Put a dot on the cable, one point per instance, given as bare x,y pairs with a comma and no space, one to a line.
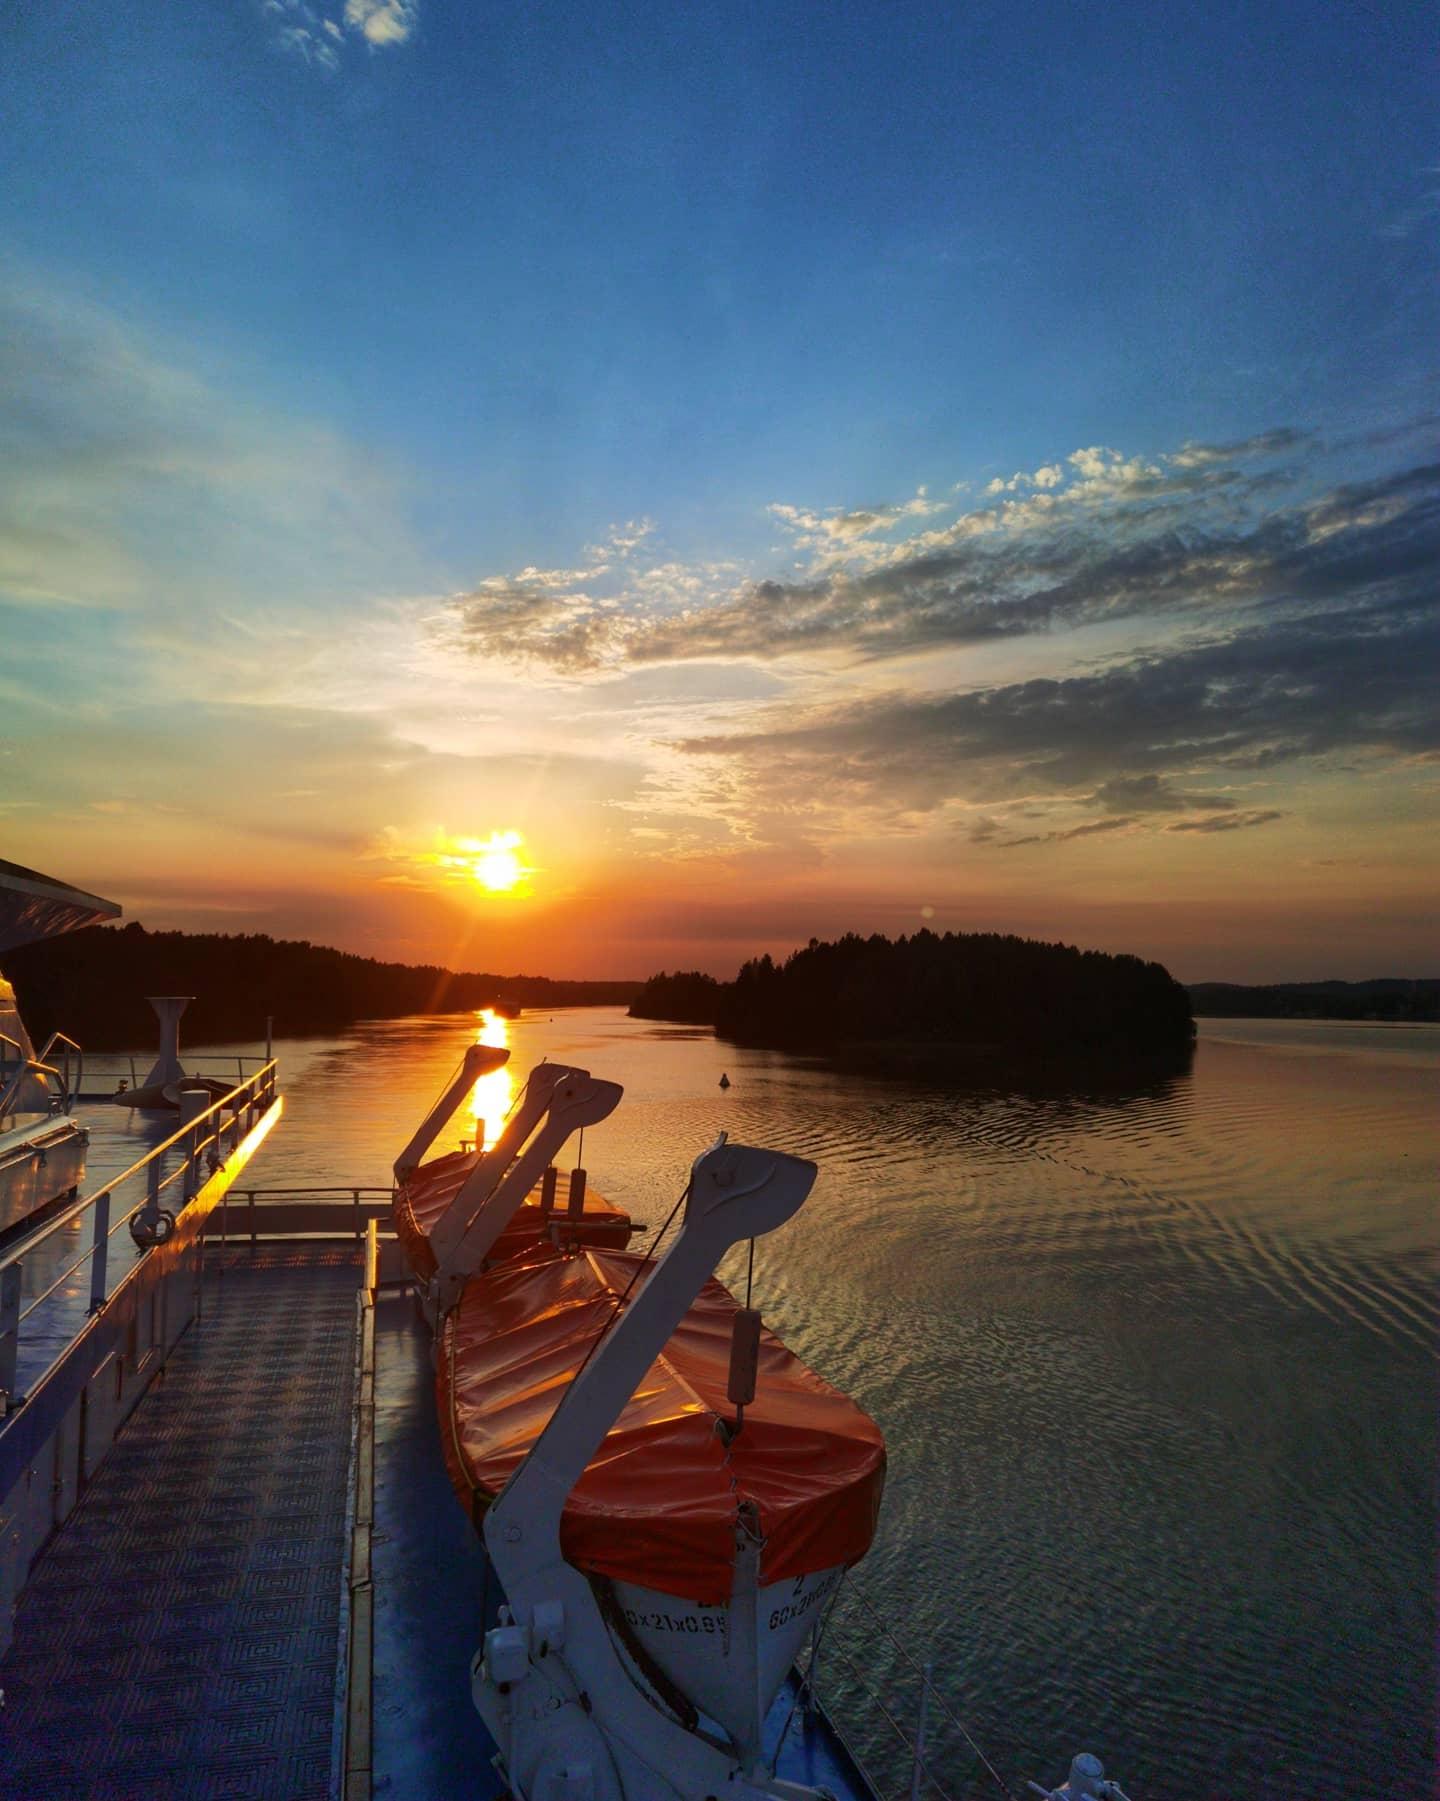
634,1277
900,1732
804,1682
945,1707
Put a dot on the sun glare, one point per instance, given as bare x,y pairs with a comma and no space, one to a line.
490,1099
494,862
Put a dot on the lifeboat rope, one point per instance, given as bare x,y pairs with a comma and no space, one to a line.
807,1680
674,1698
624,1296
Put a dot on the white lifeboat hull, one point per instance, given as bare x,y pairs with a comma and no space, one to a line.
696,1649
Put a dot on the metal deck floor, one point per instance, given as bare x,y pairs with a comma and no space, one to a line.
181,1636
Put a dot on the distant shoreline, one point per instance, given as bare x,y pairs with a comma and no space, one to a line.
1391,999
92,985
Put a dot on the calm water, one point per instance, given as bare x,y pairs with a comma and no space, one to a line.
1155,1373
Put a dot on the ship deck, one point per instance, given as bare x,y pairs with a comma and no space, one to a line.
180,1634
206,1623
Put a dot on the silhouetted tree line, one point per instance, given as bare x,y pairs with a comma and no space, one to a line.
965,993
1392,998
687,996
92,984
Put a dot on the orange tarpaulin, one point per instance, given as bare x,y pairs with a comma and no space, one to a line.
657,1504
421,1201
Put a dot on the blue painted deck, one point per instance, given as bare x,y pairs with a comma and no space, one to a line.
180,1636
430,1575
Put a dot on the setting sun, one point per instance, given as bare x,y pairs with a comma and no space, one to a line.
493,861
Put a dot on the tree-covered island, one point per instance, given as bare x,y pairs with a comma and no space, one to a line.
960,1002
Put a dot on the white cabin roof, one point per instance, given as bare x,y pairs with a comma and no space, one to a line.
37,906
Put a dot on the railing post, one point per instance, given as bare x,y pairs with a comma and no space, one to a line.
9,1334
191,1106
151,1214
355,1202
100,1256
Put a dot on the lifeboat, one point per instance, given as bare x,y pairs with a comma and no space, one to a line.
558,1201
436,1202
653,1517
668,1497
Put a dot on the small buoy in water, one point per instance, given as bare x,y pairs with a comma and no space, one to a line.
724,1081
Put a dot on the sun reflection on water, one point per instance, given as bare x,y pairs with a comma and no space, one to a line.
490,1100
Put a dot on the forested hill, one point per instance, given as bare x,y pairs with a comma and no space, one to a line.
965,995
1388,999
92,984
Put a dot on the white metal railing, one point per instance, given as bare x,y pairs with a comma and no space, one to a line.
49,1066
207,1136
110,1071
341,1210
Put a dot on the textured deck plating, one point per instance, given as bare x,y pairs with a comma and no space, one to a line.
180,1637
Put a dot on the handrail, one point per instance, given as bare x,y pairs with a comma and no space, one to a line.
29,1066
202,1142
41,1066
76,1208
334,1188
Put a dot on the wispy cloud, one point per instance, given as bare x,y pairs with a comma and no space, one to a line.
319,37
1227,822
1339,683
383,21
1208,530
180,504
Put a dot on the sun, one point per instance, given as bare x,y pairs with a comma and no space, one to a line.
494,862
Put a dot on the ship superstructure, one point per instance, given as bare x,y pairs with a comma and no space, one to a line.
42,1149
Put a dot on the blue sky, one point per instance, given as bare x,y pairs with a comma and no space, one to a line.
353,346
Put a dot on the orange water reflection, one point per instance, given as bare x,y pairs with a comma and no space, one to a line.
492,1095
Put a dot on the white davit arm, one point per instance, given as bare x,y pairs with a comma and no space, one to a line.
557,1101
551,1685
479,1060
736,1193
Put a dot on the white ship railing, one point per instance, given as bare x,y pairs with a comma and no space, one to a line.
48,1066
145,1199
256,1214
111,1070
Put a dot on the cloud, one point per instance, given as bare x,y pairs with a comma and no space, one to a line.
1226,822
1089,830
839,532
303,31
1266,444
198,528
1211,531
1341,682
383,21
1049,475
1151,794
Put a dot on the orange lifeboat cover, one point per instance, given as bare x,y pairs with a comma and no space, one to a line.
657,1504
420,1202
